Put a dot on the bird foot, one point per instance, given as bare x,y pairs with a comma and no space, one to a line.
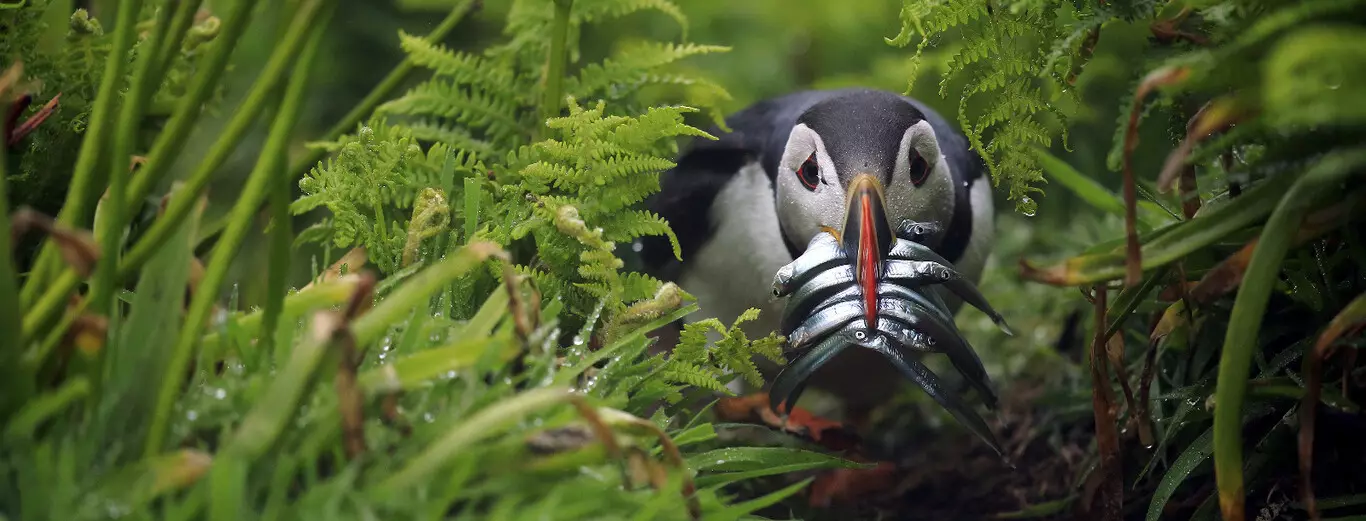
754,408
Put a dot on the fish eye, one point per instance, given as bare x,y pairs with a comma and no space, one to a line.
860,335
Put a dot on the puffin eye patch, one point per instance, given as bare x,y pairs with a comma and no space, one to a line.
920,169
809,173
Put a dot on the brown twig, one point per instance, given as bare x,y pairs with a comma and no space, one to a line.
77,247
1228,274
1349,321
1167,31
1110,489
17,134
675,457
350,398
1214,117
1088,47
390,416
1134,257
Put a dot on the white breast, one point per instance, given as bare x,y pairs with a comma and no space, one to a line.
733,271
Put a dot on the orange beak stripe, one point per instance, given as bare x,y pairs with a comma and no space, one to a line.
868,260
866,238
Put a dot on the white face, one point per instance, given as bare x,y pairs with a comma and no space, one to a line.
921,188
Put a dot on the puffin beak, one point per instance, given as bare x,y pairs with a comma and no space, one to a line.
867,238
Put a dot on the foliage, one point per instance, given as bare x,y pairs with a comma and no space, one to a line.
570,185
62,57
494,365
1258,258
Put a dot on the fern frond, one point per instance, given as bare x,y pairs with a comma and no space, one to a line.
459,67
693,375
632,68
597,10
1004,54
450,135
476,109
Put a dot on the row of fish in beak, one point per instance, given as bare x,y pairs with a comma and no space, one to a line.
826,313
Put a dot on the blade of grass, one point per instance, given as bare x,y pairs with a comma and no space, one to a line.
82,193
740,510
1190,458
421,287
171,141
553,86
414,370
142,345
1182,239
243,212
168,146
1087,188
114,211
185,11
35,412
1246,319
280,242
276,71
485,423
1129,299
328,294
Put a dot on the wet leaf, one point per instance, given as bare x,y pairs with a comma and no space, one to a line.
1173,243
1228,274
139,483
1249,308
736,459
1193,455
1306,82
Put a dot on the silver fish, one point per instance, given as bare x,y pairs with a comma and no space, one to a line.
822,253
790,381
917,231
912,251
930,383
796,311
947,337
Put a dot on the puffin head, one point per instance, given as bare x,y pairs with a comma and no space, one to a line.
859,164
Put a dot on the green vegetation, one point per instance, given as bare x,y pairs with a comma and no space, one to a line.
242,288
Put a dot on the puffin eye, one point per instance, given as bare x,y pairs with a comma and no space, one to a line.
809,173
920,169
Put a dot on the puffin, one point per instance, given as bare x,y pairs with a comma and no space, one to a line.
748,202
